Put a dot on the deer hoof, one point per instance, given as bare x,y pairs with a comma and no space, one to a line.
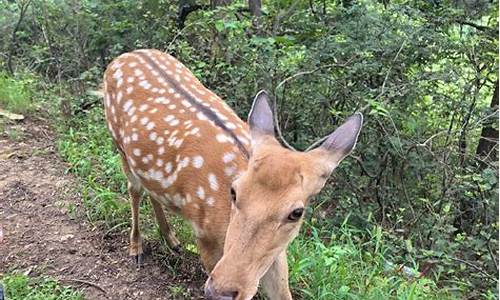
177,249
138,259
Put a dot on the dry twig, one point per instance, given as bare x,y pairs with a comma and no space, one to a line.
95,285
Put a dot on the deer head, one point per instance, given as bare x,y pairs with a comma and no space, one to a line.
269,200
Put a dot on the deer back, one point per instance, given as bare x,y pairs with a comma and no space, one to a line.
180,141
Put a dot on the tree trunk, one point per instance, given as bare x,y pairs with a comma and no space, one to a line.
255,7
489,135
23,8
215,3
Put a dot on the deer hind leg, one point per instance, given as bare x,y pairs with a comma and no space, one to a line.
275,281
165,229
135,246
135,192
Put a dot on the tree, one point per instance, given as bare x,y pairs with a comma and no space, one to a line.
255,7
488,142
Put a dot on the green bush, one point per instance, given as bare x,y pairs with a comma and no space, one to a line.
16,93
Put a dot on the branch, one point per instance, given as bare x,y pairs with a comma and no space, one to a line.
382,91
476,26
302,73
85,282
277,126
474,267
321,140
493,256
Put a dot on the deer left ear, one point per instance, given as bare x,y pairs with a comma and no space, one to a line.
341,142
261,119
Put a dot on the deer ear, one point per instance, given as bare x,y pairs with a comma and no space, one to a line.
341,142
260,119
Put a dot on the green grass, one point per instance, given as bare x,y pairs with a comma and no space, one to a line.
87,147
22,287
16,93
346,263
326,261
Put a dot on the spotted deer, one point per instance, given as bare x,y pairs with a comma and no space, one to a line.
242,192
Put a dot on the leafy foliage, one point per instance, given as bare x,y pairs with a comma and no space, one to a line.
423,72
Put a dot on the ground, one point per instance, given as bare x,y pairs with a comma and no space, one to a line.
45,231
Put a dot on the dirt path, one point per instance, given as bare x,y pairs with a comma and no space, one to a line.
41,236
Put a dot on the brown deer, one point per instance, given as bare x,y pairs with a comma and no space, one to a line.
242,192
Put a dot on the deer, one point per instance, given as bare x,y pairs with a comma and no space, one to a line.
243,193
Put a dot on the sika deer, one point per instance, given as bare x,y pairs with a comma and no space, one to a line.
243,193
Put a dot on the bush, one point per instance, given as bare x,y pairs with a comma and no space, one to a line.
16,93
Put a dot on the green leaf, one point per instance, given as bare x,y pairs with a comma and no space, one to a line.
219,25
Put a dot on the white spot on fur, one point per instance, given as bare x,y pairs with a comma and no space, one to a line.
186,103
230,171
150,125
159,162
144,120
201,116
200,192
223,138
212,181
198,161
178,143
228,157
168,167
127,105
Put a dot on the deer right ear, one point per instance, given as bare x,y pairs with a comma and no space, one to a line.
261,119
341,142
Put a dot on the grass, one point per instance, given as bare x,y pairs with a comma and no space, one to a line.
22,287
85,145
16,93
347,263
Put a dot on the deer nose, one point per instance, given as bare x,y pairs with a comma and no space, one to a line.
212,294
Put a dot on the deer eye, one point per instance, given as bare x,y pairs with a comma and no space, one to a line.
295,214
233,195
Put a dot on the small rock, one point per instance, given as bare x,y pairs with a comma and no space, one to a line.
67,237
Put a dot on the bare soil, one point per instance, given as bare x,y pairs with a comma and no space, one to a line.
45,231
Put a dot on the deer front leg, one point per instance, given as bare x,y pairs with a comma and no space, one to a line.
135,247
275,281
166,231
